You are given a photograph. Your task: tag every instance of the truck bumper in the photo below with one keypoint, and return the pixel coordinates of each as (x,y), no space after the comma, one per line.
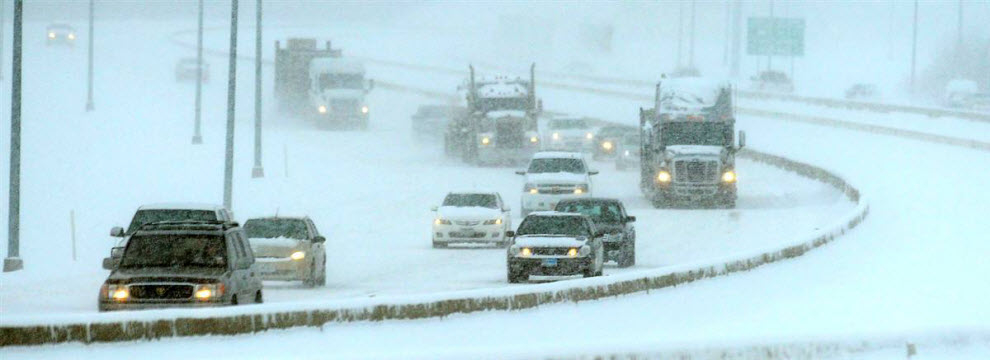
(690,194)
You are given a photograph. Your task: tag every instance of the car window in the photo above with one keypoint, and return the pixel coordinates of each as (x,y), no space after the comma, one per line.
(276,228)
(175,250)
(556,165)
(599,212)
(554,225)
(248,255)
(471,200)
(142,217)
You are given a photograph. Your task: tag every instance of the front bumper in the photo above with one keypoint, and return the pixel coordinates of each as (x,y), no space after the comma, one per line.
(696,193)
(539,265)
(105,305)
(282,269)
(542,202)
(468,233)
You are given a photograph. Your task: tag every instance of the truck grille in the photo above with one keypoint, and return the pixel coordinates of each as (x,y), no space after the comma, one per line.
(509,133)
(550,251)
(345,106)
(695,171)
(556,189)
(466,222)
(161,291)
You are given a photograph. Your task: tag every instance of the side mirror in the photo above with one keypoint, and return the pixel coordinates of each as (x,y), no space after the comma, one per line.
(742,139)
(434,208)
(630,219)
(510,234)
(593,172)
(109,264)
(117,231)
(319,239)
(520,172)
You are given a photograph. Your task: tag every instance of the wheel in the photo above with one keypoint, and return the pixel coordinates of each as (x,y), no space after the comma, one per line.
(439,245)
(257,298)
(322,280)
(233,300)
(628,257)
(311,280)
(515,278)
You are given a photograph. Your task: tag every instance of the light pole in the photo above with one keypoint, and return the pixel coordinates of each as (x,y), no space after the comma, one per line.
(257,171)
(228,169)
(89,94)
(13,260)
(197,134)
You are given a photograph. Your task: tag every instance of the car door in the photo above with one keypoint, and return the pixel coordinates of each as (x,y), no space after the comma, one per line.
(315,247)
(242,268)
(629,229)
(252,280)
(596,244)
(506,214)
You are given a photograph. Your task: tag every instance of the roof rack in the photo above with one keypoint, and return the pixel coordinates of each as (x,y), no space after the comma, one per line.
(224,224)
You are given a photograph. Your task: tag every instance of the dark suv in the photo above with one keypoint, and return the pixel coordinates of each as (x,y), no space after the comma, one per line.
(183,264)
(609,216)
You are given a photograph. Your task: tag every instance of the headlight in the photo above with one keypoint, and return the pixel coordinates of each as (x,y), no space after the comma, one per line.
(526,252)
(298,255)
(364,109)
(530,188)
(208,291)
(441,221)
(729,176)
(556,136)
(51,35)
(494,222)
(589,136)
(663,176)
(72,36)
(581,189)
(485,141)
(572,252)
(534,140)
(117,292)
(322,109)
(607,145)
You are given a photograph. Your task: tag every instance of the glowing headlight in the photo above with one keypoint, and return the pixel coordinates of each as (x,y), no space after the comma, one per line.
(118,292)
(626,153)
(663,176)
(322,109)
(494,222)
(441,221)
(526,252)
(298,255)
(589,136)
(51,35)
(208,291)
(607,145)
(729,176)
(556,136)
(485,141)
(534,140)
(572,252)
(533,191)
(364,109)
(72,36)
(581,189)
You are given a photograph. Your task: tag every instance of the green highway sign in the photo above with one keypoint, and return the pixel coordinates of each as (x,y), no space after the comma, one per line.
(774,36)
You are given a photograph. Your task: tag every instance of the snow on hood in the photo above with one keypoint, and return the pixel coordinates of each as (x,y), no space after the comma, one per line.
(468,213)
(277,247)
(503,113)
(694,150)
(353,94)
(557,178)
(549,241)
(148,273)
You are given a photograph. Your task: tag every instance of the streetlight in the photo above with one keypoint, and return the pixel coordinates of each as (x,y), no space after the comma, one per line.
(257,171)
(228,171)
(13,260)
(197,134)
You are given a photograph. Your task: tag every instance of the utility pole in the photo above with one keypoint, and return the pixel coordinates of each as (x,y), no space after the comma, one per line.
(228,169)
(680,32)
(736,37)
(914,43)
(258,171)
(197,134)
(89,94)
(13,260)
(691,45)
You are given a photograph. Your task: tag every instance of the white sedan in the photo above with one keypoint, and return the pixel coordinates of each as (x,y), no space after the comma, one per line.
(471,217)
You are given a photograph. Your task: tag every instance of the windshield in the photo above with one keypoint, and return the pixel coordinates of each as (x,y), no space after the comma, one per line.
(554,225)
(495,104)
(565,124)
(551,165)
(175,251)
(599,212)
(341,81)
(274,228)
(471,200)
(143,217)
(696,133)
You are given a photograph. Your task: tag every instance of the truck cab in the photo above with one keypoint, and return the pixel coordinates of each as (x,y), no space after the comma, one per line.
(337,91)
(688,150)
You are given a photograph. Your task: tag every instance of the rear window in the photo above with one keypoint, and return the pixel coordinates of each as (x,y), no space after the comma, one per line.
(175,251)
(599,212)
(143,217)
(471,200)
(568,124)
(554,225)
(551,165)
(275,228)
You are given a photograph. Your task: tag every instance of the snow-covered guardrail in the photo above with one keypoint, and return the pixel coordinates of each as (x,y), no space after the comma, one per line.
(166,323)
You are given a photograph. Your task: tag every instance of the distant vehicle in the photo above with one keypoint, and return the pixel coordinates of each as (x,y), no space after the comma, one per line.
(607,139)
(430,121)
(152,213)
(610,217)
(628,152)
(320,84)
(60,34)
(555,244)
(979,101)
(863,92)
(689,154)
(186,68)
(684,72)
(183,264)
(772,81)
(569,134)
(960,93)
(471,217)
(288,249)
(553,176)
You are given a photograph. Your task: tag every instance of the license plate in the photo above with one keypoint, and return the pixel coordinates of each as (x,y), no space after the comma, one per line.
(549,262)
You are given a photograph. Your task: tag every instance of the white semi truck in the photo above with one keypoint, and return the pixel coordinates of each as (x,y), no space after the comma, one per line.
(321,84)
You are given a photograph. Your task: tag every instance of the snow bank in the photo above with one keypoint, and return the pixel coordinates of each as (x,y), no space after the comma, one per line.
(154,324)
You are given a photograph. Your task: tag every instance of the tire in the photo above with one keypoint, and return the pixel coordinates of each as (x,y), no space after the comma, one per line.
(233,300)
(628,257)
(258,299)
(589,272)
(322,280)
(311,280)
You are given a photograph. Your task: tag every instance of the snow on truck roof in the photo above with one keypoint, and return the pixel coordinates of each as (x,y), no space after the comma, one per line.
(337,65)
(691,92)
(181,206)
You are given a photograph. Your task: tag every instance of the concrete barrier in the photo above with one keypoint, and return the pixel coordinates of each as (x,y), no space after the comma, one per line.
(156,324)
